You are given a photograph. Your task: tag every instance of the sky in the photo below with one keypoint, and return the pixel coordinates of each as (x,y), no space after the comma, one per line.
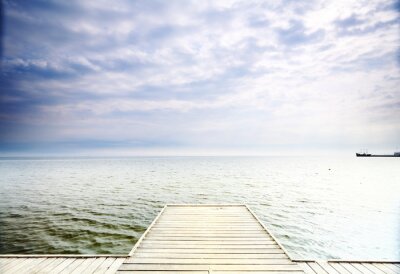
(185,77)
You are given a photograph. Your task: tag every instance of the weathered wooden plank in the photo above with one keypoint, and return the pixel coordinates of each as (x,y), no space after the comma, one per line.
(239,211)
(362,268)
(201,222)
(197,217)
(258,272)
(384,268)
(211,272)
(5,261)
(207,229)
(145,245)
(168,216)
(48,268)
(211,255)
(115,265)
(85,264)
(209,219)
(393,267)
(327,267)
(205,216)
(208,213)
(317,268)
(307,269)
(93,266)
(25,265)
(209,242)
(13,264)
(62,265)
(179,267)
(215,250)
(350,268)
(81,267)
(162,272)
(372,268)
(205,222)
(213,261)
(339,268)
(206,237)
(38,268)
(200,236)
(103,266)
(71,267)
(258,232)
(27,268)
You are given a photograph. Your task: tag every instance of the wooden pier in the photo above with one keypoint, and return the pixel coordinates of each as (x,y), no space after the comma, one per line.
(197,239)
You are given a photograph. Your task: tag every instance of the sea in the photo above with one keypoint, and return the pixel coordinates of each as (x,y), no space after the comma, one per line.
(317,207)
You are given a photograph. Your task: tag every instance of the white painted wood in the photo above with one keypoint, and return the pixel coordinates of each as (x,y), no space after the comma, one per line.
(327,267)
(339,268)
(307,269)
(103,267)
(83,266)
(62,265)
(51,266)
(71,267)
(193,238)
(93,266)
(115,265)
(349,267)
(178,267)
(209,261)
(5,261)
(206,246)
(383,267)
(144,254)
(211,242)
(255,272)
(25,266)
(41,265)
(216,250)
(362,268)
(393,267)
(210,237)
(317,268)
(372,268)
(167,272)
(13,264)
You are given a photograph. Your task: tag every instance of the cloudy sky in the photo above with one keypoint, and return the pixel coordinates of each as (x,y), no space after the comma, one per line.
(199,77)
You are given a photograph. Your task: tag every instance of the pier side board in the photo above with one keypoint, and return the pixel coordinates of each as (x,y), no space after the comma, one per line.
(197,239)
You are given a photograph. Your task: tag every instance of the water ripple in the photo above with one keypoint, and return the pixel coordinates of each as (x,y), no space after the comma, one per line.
(317,207)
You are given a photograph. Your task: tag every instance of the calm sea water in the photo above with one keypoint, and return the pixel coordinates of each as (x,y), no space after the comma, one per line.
(317,207)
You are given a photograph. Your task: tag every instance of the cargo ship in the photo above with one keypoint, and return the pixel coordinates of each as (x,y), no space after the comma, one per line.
(366,154)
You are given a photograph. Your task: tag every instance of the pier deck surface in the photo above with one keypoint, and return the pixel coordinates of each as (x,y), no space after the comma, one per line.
(62,264)
(196,239)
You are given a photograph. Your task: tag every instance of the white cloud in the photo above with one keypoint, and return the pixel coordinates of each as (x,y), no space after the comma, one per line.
(270,72)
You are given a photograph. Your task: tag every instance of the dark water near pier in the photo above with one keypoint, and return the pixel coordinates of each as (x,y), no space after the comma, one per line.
(317,207)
